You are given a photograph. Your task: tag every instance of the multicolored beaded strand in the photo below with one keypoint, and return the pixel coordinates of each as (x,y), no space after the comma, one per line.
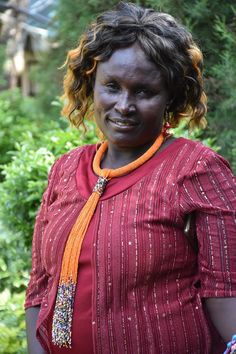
(231,346)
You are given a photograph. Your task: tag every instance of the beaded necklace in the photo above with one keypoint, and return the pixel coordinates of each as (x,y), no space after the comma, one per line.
(63,311)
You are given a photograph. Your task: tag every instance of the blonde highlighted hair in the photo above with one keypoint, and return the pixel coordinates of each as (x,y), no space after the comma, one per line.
(165,42)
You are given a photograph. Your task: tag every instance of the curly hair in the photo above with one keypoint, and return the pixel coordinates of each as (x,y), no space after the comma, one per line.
(165,42)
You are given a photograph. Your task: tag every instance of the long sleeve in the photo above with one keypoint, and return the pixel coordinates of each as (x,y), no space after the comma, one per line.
(38,277)
(209,190)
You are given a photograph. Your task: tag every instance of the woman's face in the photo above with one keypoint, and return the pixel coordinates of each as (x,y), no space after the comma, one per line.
(129,98)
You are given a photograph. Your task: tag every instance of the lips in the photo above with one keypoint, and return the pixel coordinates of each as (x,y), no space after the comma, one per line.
(123,122)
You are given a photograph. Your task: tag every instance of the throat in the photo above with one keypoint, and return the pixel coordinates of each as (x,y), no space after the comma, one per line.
(116,158)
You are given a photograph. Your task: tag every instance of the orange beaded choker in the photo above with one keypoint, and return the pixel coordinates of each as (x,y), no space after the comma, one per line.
(63,312)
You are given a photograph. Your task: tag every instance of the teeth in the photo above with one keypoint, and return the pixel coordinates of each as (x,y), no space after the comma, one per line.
(122,123)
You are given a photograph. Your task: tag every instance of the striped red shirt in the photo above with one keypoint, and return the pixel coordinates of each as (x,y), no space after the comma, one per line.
(147,282)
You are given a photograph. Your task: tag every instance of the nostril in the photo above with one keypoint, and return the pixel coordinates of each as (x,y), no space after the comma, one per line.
(125,109)
(124,105)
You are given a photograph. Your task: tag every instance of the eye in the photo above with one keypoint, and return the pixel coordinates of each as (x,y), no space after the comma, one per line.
(112,86)
(143,91)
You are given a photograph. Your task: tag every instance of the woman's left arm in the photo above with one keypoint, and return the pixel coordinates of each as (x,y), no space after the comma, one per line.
(209,190)
(222,312)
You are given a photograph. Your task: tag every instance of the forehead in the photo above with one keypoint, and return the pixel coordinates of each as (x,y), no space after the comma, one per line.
(130,62)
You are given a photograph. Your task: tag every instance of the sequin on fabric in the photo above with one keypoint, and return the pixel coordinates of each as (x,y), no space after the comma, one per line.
(63,313)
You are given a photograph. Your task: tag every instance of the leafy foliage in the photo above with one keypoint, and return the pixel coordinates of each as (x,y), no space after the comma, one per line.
(25,177)
(3,81)
(14,262)
(223,113)
(17,117)
(12,323)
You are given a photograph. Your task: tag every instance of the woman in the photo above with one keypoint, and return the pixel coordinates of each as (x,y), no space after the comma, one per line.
(113,270)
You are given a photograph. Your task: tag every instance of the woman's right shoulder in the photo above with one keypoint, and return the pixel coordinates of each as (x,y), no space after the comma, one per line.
(69,161)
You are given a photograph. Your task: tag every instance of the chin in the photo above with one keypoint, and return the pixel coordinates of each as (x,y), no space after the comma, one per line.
(130,143)
(132,140)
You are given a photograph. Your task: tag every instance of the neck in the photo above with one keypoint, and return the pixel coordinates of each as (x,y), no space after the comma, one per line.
(116,157)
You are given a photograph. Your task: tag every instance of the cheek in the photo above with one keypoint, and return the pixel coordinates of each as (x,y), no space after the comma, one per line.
(155,108)
(101,102)
(99,106)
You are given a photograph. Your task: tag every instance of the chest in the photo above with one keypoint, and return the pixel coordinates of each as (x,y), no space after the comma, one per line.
(139,229)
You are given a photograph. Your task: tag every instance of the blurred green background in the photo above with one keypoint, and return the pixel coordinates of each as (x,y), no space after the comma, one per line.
(34,38)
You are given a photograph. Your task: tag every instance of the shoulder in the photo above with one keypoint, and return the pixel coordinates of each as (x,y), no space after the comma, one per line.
(197,151)
(202,166)
(194,145)
(194,158)
(68,162)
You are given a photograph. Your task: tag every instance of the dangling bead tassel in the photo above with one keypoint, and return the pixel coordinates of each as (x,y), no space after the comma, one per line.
(231,346)
(63,312)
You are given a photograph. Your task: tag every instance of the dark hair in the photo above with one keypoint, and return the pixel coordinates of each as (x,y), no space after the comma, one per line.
(166,42)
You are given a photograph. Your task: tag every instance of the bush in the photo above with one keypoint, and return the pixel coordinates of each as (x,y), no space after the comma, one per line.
(14,262)
(25,177)
(17,117)
(12,323)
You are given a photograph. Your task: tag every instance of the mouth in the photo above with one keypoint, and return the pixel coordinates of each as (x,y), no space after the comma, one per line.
(122,122)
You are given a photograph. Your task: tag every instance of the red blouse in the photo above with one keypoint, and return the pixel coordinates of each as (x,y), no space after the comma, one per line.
(146,282)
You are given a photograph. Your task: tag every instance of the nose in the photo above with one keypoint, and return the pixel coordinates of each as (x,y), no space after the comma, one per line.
(124,104)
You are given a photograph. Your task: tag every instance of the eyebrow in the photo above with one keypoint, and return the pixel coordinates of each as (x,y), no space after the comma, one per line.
(152,85)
